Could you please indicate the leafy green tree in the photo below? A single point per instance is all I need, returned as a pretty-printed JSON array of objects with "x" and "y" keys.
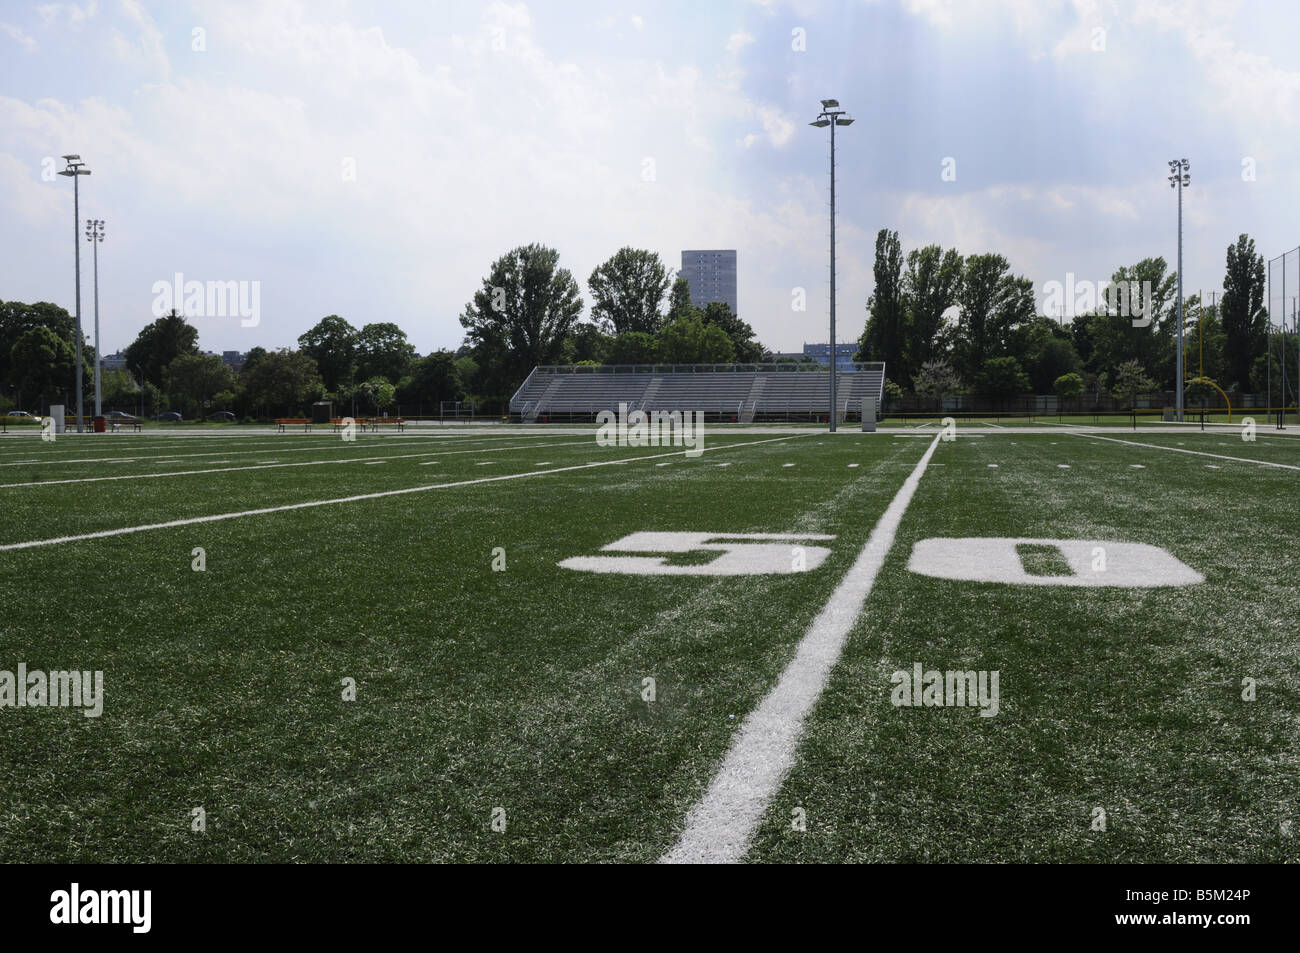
[
  {"x": 283, "y": 382},
  {"x": 936, "y": 379},
  {"x": 433, "y": 378},
  {"x": 43, "y": 363},
  {"x": 520, "y": 317},
  {"x": 119, "y": 390},
  {"x": 1104, "y": 341},
  {"x": 930, "y": 287},
  {"x": 254, "y": 355},
  {"x": 1068, "y": 386},
  {"x": 747, "y": 349},
  {"x": 689, "y": 341},
  {"x": 332, "y": 344},
  {"x": 634, "y": 347},
  {"x": 1204, "y": 341},
  {"x": 376, "y": 394},
  {"x": 679, "y": 300},
  {"x": 161, "y": 342},
  {"x": 1129, "y": 381},
  {"x": 191, "y": 380},
  {"x": 1280, "y": 353},
  {"x": 587, "y": 343},
  {"x": 1198, "y": 391},
  {"x": 1045, "y": 350},
  {"x": 383, "y": 351},
  {"x": 17, "y": 318},
  {"x": 882, "y": 338},
  {"x": 1002, "y": 377},
  {"x": 993, "y": 304},
  {"x": 1245, "y": 321},
  {"x": 471, "y": 378},
  {"x": 627, "y": 290}
]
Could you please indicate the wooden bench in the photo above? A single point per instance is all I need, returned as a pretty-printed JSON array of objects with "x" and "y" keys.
[
  {"x": 116, "y": 425},
  {"x": 399, "y": 422},
  {"x": 340, "y": 422},
  {"x": 283, "y": 422}
]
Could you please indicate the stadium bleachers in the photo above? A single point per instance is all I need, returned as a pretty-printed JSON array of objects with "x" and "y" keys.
[{"x": 744, "y": 391}]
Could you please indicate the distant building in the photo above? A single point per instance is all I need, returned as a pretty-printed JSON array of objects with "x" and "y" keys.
[
  {"x": 711, "y": 274},
  {"x": 844, "y": 351},
  {"x": 113, "y": 362},
  {"x": 234, "y": 360}
]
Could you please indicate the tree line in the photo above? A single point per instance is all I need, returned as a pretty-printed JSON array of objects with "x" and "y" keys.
[
  {"x": 528, "y": 311},
  {"x": 942, "y": 322},
  {"x": 945, "y": 324}
]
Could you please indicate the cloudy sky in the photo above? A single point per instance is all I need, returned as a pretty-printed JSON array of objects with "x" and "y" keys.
[{"x": 372, "y": 159}]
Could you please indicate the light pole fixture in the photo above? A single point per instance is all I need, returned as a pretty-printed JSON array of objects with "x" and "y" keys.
[
  {"x": 1180, "y": 176},
  {"x": 95, "y": 235},
  {"x": 831, "y": 115},
  {"x": 74, "y": 169}
]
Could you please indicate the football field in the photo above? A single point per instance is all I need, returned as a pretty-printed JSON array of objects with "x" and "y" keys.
[{"x": 496, "y": 644}]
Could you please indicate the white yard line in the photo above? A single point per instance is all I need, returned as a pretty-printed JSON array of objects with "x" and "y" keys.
[
  {"x": 104, "y": 534},
  {"x": 162, "y": 457},
  {"x": 1197, "y": 453},
  {"x": 720, "y": 825},
  {"x": 272, "y": 465}
]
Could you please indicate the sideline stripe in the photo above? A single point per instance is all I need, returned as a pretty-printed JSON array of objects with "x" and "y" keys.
[
  {"x": 720, "y": 825},
  {"x": 104, "y": 534},
  {"x": 1196, "y": 453}
]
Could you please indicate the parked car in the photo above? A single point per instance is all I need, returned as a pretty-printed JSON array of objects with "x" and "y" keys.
[
  {"x": 167, "y": 415},
  {"x": 21, "y": 413},
  {"x": 118, "y": 415},
  {"x": 222, "y": 416}
]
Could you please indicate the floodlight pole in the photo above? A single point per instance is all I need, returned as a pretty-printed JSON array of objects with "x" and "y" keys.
[
  {"x": 95, "y": 235},
  {"x": 1181, "y": 175},
  {"x": 831, "y": 115},
  {"x": 834, "y": 362},
  {"x": 74, "y": 170}
]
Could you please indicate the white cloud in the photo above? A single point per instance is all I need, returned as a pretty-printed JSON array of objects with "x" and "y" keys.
[
  {"x": 72, "y": 14},
  {"x": 779, "y": 129},
  {"x": 145, "y": 50},
  {"x": 18, "y": 36},
  {"x": 738, "y": 41}
]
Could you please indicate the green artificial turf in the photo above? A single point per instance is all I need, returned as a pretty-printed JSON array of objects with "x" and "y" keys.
[{"x": 522, "y": 689}]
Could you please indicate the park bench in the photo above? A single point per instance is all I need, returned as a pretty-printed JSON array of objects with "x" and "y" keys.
[
  {"x": 341, "y": 422},
  {"x": 283, "y": 422},
  {"x": 116, "y": 425}
]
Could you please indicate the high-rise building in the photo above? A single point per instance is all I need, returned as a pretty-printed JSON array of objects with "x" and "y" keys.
[
  {"x": 844, "y": 351},
  {"x": 711, "y": 274}
]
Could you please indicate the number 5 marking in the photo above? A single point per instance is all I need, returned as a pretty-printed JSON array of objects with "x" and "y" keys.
[{"x": 740, "y": 556}]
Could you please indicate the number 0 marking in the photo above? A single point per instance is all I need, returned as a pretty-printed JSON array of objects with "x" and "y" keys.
[{"x": 994, "y": 559}]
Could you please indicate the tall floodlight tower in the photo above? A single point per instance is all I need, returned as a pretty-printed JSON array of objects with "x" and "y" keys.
[
  {"x": 95, "y": 235},
  {"x": 75, "y": 170},
  {"x": 1179, "y": 176},
  {"x": 831, "y": 115}
]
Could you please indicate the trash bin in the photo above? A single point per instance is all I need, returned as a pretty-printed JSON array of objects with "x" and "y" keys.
[{"x": 101, "y": 424}]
